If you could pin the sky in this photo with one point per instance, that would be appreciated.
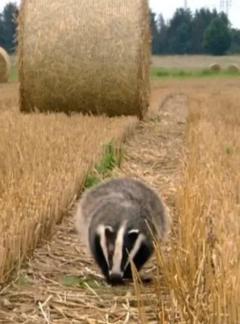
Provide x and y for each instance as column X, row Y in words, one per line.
column 167, row 8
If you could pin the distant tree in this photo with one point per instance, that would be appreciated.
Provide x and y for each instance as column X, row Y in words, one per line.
column 180, row 32
column 235, row 45
column 217, row 37
column 1, row 32
column 224, row 18
column 202, row 19
column 155, row 34
column 9, row 21
column 204, row 31
column 162, row 35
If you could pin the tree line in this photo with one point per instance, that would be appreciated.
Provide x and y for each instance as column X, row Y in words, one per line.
column 8, row 27
column 202, row 32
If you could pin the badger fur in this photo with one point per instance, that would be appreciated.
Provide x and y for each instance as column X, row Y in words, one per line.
column 117, row 220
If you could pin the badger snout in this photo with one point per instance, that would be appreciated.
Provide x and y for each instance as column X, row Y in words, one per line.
column 115, row 278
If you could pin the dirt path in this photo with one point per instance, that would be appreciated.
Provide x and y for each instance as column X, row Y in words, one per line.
column 61, row 284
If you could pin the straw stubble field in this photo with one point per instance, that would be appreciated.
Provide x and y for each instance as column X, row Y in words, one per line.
column 188, row 149
column 202, row 271
column 44, row 160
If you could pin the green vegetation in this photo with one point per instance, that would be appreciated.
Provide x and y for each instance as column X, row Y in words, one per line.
column 82, row 282
column 112, row 158
column 156, row 73
column 160, row 73
column 23, row 280
column 13, row 73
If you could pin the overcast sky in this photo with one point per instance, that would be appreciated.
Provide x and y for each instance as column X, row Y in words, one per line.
column 167, row 7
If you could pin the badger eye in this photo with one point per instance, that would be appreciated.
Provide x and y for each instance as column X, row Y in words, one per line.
column 132, row 235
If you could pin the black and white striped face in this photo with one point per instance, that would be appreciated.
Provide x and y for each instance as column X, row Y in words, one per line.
column 115, row 248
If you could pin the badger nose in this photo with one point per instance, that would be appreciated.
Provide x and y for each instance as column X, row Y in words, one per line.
column 115, row 278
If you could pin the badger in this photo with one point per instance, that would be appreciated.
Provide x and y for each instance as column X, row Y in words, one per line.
column 118, row 221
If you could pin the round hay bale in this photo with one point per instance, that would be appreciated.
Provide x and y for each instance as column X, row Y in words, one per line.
column 233, row 68
column 215, row 67
column 85, row 56
column 5, row 65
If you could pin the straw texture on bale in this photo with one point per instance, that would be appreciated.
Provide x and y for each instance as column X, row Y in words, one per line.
column 84, row 56
column 4, row 65
column 234, row 68
column 215, row 67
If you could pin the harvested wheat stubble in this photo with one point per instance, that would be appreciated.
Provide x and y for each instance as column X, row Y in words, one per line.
column 4, row 65
column 84, row 56
column 44, row 161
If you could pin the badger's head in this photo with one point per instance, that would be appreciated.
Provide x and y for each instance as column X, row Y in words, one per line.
column 114, row 247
